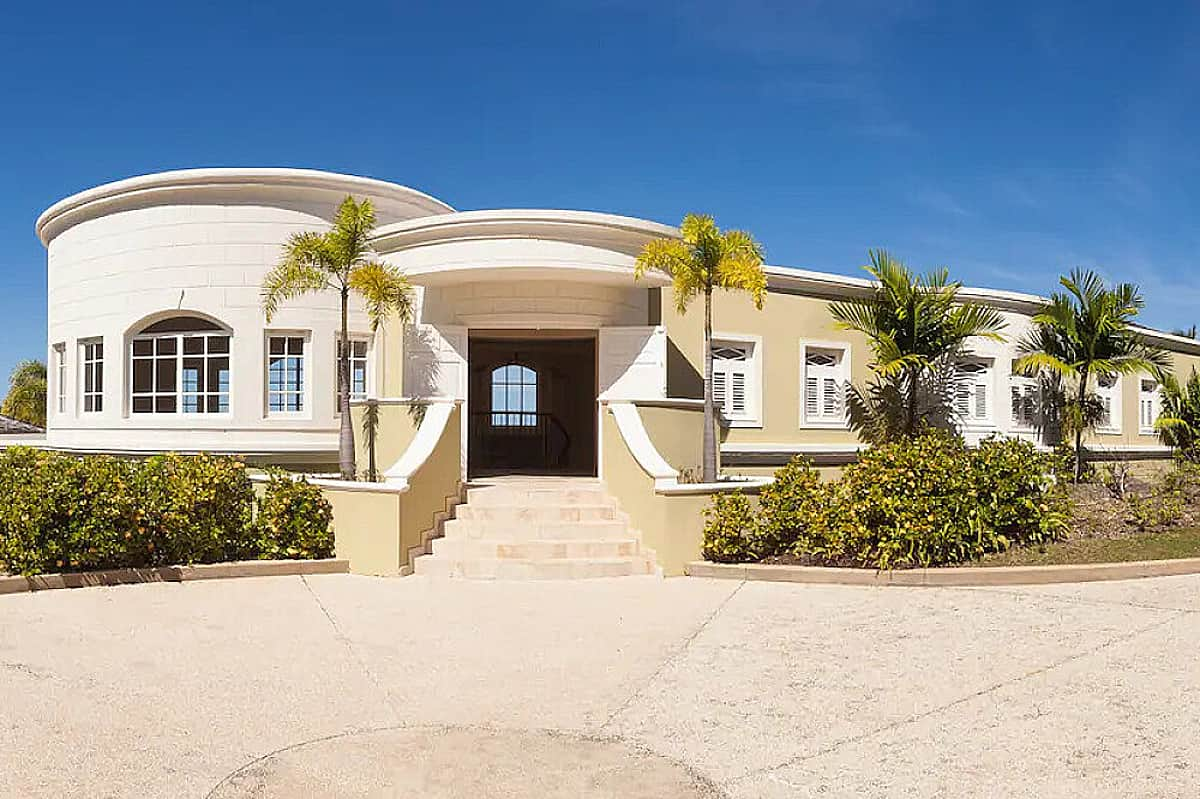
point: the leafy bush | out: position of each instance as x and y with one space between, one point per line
924 501
786 507
65 513
294 519
931 500
199 509
729 529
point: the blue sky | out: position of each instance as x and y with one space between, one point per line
1009 141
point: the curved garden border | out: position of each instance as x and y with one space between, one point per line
947 576
16 584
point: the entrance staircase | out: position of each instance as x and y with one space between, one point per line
526 528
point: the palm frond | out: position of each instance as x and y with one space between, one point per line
289 279
385 292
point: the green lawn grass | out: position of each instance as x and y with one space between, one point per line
1181 543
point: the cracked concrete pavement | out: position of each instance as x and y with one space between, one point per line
354 686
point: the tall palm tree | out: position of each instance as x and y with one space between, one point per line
341 260
26 398
915 326
1083 333
1179 422
705 258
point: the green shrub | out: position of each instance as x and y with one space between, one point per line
931 501
67 513
785 509
294 519
196 509
729 529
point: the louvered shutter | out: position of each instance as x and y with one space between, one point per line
831 398
812 399
737 393
718 389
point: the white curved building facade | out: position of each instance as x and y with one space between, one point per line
529 322
156 337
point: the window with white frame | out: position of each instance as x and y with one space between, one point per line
514 396
285 374
825 374
1149 405
734 380
358 369
1108 389
91 362
180 365
60 377
1025 394
973 391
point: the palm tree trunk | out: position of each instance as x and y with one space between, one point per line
346 428
709 466
912 403
1083 378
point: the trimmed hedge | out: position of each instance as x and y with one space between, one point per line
62 513
927 501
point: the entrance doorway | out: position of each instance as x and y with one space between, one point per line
532 404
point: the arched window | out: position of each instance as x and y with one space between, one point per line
180 365
514 396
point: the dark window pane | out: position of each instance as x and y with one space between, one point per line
193 378
143 376
164 405
89 380
218 345
143 346
193 345
295 346
181 324
218 374
276 346
164 374
99 376
143 404
165 346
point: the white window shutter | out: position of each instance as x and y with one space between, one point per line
812 400
718 390
830 398
981 400
737 393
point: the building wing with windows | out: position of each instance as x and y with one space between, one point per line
528 321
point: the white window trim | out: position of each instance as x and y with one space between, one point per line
370 362
179 392
754 391
60 378
1014 380
1113 428
988 422
825 424
84 365
306 374
1155 397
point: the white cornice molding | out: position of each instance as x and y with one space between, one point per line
101 200
589 227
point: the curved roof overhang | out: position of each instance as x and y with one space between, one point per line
520 244
197 185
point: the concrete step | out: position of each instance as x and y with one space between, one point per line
530 514
537 495
476 549
562 569
605 529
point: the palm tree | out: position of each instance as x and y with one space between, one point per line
1080 334
702 259
1179 422
26 399
340 260
916 326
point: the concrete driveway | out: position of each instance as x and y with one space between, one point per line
355 686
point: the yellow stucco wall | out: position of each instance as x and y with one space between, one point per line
375 528
784 322
398 425
677 433
366 529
